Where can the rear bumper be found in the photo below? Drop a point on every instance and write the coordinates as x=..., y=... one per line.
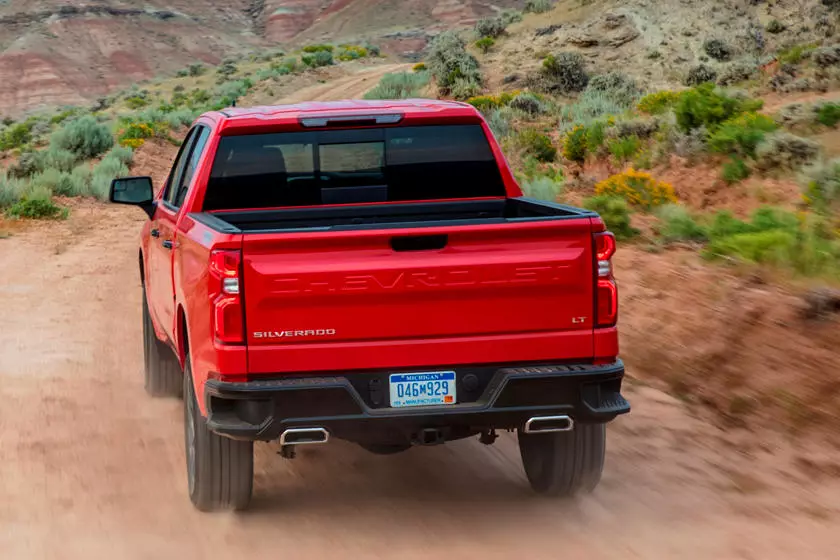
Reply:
x=355, y=406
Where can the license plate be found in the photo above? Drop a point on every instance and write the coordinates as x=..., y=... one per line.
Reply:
x=422, y=389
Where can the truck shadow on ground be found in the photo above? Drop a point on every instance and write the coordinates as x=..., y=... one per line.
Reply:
x=463, y=474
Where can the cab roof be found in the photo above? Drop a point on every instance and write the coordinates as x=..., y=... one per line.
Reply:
x=241, y=120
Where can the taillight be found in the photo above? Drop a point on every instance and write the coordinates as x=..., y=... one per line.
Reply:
x=606, y=292
x=225, y=294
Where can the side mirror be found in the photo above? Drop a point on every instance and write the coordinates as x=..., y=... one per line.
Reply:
x=137, y=191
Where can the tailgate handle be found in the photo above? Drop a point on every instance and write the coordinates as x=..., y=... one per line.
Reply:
x=419, y=242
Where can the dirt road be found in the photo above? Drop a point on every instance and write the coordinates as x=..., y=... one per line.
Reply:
x=92, y=468
x=352, y=86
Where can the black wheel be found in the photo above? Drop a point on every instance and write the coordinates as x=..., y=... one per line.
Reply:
x=564, y=463
x=163, y=372
x=384, y=449
x=220, y=470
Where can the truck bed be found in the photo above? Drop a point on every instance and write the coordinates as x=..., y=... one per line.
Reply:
x=382, y=216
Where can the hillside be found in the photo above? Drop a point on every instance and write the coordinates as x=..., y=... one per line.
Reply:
x=65, y=52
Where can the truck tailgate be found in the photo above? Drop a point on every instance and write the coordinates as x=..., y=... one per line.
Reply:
x=320, y=290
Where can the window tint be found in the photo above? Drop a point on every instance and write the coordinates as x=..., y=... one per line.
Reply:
x=192, y=165
x=178, y=167
x=353, y=166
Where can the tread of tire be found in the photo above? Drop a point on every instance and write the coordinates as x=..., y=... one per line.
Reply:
x=226, y=471
x=163, y=376
x=574, y=460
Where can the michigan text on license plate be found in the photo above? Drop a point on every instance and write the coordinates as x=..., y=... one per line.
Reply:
x=423, y=389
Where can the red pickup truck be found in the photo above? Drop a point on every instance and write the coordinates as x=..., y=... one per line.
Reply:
x=371, y=271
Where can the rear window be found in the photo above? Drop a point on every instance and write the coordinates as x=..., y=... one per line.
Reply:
x=352, y=166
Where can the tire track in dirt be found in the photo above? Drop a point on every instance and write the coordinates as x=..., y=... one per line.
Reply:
x=353, y=86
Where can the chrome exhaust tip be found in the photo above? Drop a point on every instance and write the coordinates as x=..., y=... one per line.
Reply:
x=546, y=424
x=304, y=436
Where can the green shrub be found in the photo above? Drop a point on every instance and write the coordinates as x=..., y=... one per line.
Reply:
x=136, y=102
x=28, y=163
x=499, y=121
x=485, y=44
x=735, y=170
x=287, y=66
x=677, y=224
x=775, y=26
x=771, y=247
x=596, y=136
x=543, y=188
x=615, y=212
x=511, y=16
x=821, y=185
x=589, y=107
x=717, y=49
x=122, y=154
x=35, y=203
x=450, y=62
x=318, y=48
x=538, y=6
x=826, y=56
x=700, y=74
x=562, y=73
x=528, y=103
x=63, y=160
x=352, y=52
x=575, y=144
x=658, y=103
x=401, y=85
x=615, y=86
x=794, y=54
x=85, y=137
x=11, y=190
x=490, y=27
x=539, y=145
x=464, y=88
x=181, y=118
x=725, y=224
x=196, y=69
x=742, y=134
x=623, y=149
x=737, y=72
x=786, y=151
x=227, y=69
x=227, y=94
x=16, y=135
x=318, y=59
x=828, y=114
x=106, y=171
x=704, y=106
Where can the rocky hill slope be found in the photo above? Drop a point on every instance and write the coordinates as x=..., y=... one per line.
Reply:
x=66, y=52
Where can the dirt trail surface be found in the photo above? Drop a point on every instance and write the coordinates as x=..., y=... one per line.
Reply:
x=91, y=467
x=353, y=86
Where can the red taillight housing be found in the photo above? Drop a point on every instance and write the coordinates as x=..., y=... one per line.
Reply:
x=606, y=291
x=225, y=293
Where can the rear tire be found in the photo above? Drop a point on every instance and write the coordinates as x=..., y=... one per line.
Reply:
x=220, y=470
x=163, y=377
x=384, y=449
x=564, y=463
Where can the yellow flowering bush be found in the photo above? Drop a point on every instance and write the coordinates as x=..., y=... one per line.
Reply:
x=657, y=103
x=134, y=133
x=637, y=188
x=487, y=102
x=574, y=144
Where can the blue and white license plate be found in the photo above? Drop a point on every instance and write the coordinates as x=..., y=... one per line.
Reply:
x=423, y=389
